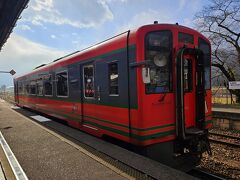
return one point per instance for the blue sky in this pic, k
(50, 29)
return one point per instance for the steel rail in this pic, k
(224, 142)
(224, 135)
(202, 174)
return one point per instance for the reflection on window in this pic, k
(187, 75)
(185, 38)
(113, 78)
(88, 75)
(158, 47)
(62, 84)
(27, 89)
(33, 87)
(20, 88)
(205, 47)
(40, 87)
(48, 87)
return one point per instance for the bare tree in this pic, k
(220, 22)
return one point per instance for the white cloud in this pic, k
(188, 22)
(25, 28)
(78, 44)
(74, 34)
(147, 17)
(23, 55)
(53, 36)
(113, 1)
(80, 14)
(182, 4)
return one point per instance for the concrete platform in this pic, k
(226, 110)
(44, 154)
(226, 118)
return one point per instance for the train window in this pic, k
(88, 75)
(187, 75)
(33, 87)
(62, 84)
(205, 47)
(48, 87)
(26, 88)
(20, 88)
(185, 38)
(40, 87)
(158, 47)
(113, 78)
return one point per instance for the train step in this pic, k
(194, 131)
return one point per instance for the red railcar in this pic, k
(149, 87)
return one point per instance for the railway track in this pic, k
(202, 174)
(224, 135)
(225, 139)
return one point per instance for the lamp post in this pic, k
(12, 72)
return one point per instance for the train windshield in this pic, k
(158, 46)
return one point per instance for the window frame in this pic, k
(26, 88)
(20, 87)
(52, 86)
(210, 60)
(186, 34)
(83, 79)
(169, 64)
(56, 81)
(35, 87)
(109, 80)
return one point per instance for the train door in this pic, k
(88, 99)
(189, 91)
(16, 92)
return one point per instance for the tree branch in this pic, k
(224, 71)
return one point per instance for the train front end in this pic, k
(175, 68)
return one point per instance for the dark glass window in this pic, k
(62, 83)
(48, 87)
(33, 87)
(187, 75)
(88, 79)
(113, 78)
(27, 91)
(205, 47)
(40, 87)
(20, 88)
(185, 38)
(158, 47)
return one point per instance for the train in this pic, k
(149, 87)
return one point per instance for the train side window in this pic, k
(88, 79)
(113, 79)
(39, 87)
(62, 84)
(20, 88)
(26, 88)
(205, 47)
(48, 86)
(33, 87)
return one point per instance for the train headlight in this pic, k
(160, 60)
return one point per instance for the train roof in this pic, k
(106, 43)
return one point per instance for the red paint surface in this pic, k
(150, 112)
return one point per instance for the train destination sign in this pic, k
(234, 84)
